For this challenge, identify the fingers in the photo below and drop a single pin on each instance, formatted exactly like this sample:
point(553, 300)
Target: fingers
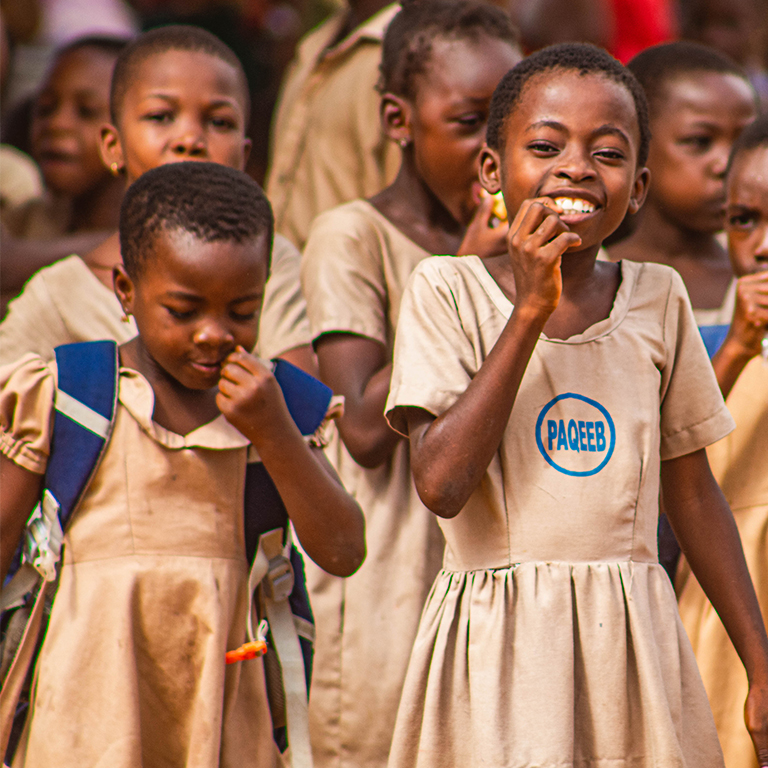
point(538, 228)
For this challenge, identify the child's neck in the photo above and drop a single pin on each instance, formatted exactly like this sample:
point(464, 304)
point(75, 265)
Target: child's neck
point(177, 408)
point(699, 258)
point(412, 207)
point(589, 291)
point(99, 208)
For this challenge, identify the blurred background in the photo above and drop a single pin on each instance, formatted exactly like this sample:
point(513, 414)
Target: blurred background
point(264, 34)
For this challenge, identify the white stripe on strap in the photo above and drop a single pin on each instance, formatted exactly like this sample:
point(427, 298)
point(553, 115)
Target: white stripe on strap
point(82, 414)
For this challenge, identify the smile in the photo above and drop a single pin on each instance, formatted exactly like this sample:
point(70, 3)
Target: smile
point(574, 205)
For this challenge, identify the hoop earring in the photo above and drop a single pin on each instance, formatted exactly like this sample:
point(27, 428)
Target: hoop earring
point(126, 318)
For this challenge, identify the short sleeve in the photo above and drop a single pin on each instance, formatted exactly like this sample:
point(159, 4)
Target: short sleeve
point(27, 392)
point(435, 358)
point(283, 324)
point(342, 277)
point(693, 413)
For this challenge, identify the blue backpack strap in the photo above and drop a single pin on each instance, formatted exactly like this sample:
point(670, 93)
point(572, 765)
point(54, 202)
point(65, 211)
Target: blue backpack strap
point(86, 400)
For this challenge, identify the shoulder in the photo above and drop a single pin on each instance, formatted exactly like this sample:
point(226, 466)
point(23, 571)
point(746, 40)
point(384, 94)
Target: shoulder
point(355, 225)
point(656, 287)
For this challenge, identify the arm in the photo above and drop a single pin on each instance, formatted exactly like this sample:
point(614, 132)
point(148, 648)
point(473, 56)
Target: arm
point(748, 328)
point(450, 454)
point(359, 369)
point(302, 357)
point(705, 528)
point(327, 520)
point(19, 492)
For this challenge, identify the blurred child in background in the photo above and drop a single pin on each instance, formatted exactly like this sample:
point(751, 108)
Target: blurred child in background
point(440, 63)
point(81, 194)
point(740, 461)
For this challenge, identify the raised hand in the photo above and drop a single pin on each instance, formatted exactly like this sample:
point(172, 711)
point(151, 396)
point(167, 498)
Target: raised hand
point(536, 241)
point(484, 237)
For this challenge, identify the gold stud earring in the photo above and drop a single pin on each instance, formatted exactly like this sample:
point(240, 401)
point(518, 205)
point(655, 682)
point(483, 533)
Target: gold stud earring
point(404, 143)
point(126, 318)
point(115, 168)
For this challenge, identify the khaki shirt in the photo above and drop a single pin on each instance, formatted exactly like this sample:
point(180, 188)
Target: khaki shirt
point(327, 143)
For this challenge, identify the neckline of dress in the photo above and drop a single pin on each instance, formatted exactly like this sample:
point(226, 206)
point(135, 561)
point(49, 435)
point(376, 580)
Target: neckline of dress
point(621, 302)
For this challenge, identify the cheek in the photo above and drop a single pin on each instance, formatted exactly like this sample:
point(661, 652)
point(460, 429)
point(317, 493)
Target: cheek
point(227, 151)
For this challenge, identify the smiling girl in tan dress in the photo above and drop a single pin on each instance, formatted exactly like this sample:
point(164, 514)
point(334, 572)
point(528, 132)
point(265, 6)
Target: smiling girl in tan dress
point(545, 394)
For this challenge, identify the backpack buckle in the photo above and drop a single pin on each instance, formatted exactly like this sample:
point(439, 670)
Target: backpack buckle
point(278, 583)
point(43, 537)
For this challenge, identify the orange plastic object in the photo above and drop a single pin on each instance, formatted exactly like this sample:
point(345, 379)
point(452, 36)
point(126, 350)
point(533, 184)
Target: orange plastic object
point(247, 651)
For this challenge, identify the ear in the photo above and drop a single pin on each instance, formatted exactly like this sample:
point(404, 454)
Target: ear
point(111, 148)
point(490, 169)
point(395, 115)
point(639, 191)
point(124, 288)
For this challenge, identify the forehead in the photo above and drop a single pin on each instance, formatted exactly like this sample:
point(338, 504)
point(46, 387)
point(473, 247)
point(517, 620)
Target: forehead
point(88, 68)
point(185, 72)
point(582, 103)
point(704, 94)
point(748, 179)
point(467, 67)
point(181, 257)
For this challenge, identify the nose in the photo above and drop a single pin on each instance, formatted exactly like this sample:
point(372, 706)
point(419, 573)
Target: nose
point(213, 333)
point(60, 119)
point(761, 252)
point(720, 162)
point(189, 141)
point(575, 165)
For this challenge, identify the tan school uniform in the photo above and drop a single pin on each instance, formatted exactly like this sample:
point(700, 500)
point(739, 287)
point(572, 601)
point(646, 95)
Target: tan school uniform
point(355, 267)
point(740, 464)
point(20, 179)
point(65, 303)
point(327, 144)
point(551, 636)
point(153, 592)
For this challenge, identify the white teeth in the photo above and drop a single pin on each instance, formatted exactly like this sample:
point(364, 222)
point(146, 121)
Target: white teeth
point(574, 205)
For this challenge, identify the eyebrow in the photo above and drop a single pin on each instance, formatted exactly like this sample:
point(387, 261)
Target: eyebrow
point(603, 130)
point(222, 101)
point(184, 296)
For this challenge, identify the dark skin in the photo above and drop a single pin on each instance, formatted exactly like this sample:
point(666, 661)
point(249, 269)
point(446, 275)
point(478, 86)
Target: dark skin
point(434, 201)
point(695, 118)
point(197, 308)
point(747, 228)
point(575, 137)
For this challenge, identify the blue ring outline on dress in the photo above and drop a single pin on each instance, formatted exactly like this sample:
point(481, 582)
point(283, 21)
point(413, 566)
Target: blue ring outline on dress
point(573, 396)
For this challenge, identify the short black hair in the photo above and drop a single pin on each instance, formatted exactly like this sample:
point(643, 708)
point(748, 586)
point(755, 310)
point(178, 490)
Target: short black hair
point(211, 201)
point(659, 64)
point(753, 136)
point(174, 37)
point(579, 57)
point(408, 41)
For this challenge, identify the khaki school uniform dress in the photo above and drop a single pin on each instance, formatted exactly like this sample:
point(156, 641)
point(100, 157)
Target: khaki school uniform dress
point(355, 267)
point(327, 144)
point(65, 303)
point(740, 464)
point(153, 592)
point(551, 636)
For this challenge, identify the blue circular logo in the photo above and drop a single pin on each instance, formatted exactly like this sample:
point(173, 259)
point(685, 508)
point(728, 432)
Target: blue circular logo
point(575, 435)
